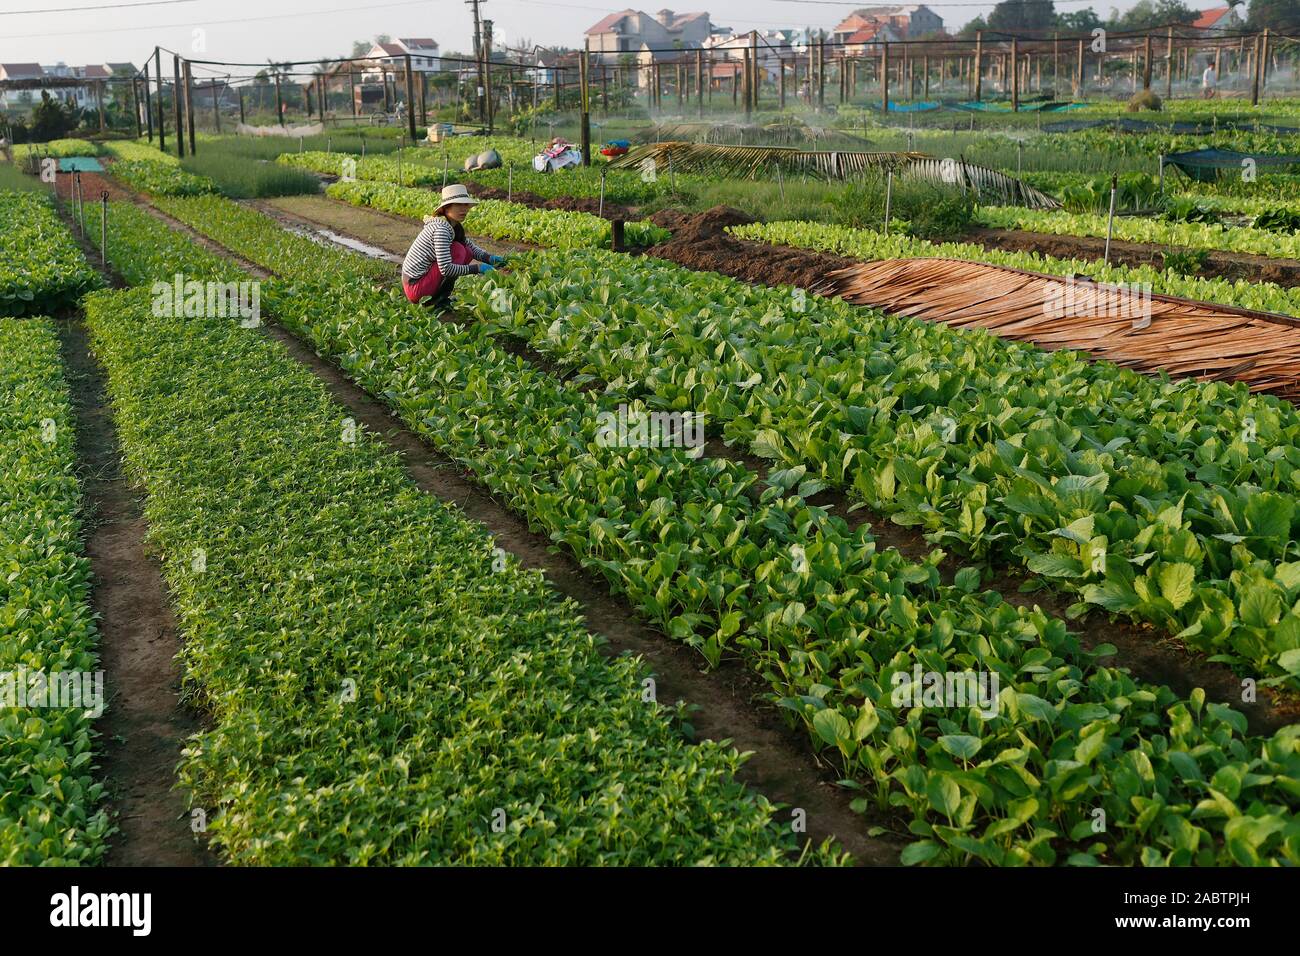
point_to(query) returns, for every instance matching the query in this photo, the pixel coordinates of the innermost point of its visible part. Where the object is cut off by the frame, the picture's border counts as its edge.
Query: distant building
(907, 22)
(1219, 20)
(392, 56)
(74, 85)
(636, 32)
(868, 39)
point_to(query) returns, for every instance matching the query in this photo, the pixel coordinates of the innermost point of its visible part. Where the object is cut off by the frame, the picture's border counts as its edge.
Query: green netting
(1206, 165)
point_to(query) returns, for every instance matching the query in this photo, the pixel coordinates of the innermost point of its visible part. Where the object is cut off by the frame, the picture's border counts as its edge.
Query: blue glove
(496, 260)
(484, 267)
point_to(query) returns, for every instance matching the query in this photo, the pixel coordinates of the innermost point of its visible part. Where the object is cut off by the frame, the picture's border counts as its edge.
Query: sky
(251, 31)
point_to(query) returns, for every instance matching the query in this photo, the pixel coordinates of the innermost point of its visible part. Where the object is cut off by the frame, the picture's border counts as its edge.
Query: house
(19, 72)
(909, 22)
(391, 57)
(545, 65)
(868, 39)
(74, 85)
(636, 32)
(772, 47)
(1218, 21)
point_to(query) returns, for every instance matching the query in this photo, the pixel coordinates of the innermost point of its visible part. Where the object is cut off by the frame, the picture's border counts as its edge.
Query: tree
(1079, 21)
(1279, 16)
(361, 47)
(52, 119)
(972, 27)
(1146, 14)
(1023, 16)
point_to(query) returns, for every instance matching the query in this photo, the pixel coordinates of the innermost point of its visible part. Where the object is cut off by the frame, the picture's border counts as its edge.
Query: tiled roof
(606, 24)
(1209, 18)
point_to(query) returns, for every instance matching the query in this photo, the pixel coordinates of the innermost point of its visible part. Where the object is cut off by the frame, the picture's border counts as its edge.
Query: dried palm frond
(988, 185)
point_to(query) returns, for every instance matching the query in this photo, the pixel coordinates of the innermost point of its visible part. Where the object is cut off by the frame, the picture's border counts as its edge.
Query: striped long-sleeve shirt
(433, 245)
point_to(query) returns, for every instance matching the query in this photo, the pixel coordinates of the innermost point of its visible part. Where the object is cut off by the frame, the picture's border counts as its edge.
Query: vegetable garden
(929, 553)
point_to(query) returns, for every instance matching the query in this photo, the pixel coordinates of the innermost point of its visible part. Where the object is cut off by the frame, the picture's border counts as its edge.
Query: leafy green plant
(1188, 209)
(718, 569)
(51, 806)
(242, 178)
(391, 742)
(160, 179)
(1278, 220)
(1187, 261)
(501, 220)
(41, 268)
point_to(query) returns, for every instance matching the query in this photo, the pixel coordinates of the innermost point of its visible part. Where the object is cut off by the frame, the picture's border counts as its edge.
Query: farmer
(1209, 80)
(441, 252)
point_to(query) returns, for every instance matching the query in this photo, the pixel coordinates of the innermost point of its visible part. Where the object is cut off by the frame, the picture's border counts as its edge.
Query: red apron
(430, 284)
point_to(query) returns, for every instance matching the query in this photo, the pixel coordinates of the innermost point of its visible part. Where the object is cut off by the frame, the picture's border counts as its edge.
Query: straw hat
(455, 195)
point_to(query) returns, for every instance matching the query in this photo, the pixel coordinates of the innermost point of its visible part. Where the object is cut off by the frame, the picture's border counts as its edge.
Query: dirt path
(145, 724)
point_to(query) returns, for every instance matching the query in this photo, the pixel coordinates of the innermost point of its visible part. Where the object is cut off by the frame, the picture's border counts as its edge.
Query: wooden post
(558, 77)
(699, 80)
(584, 78)
(352, 89)
(781, 80)
(1254, 74)
(884, 77)
(157, 72)
(1078, 77)
(424, 98)
(241, 105)
(1146, 63)
(410, 100)
(216, 113)
(979, 64)
(1015, 76)
(148, 102)
(488, 104)
(99, 102)
(279, 102)
(135, 108)
(925, 66)
(176, 102)
(821, 72)
(1169, 65)
(1056, 66)
(1263, 61)
(753, 70)
(189, 104)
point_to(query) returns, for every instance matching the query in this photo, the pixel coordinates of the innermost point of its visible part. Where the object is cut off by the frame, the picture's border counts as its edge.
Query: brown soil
(1225, 265)
(93, 186)
(569, 203)
(145, 724)
(700, 242)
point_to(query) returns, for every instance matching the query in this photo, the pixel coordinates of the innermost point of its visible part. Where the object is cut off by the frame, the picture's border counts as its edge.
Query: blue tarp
(80, 164)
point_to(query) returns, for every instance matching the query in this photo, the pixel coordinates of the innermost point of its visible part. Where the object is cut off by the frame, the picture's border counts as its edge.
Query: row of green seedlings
(987, 726)
(52, 809)
(42, 271)
(502, 220)
(387, 686)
